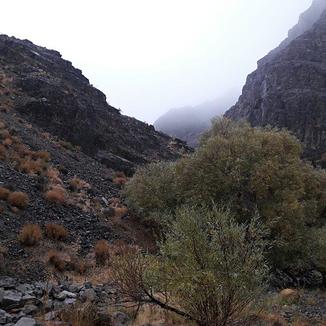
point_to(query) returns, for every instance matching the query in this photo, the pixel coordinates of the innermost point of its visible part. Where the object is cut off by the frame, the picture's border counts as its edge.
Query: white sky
(151, 55)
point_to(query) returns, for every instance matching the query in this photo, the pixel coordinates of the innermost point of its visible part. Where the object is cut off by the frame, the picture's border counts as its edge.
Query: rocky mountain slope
(189, 122)
(288, 88)
(64, 153)
(49, 92)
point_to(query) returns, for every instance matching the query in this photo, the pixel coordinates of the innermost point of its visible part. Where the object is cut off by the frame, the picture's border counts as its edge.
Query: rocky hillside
(49, 92)
(64, 155)
(288, 88)
(188, 123)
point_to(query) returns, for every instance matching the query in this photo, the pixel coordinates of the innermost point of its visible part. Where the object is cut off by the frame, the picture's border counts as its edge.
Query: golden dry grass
(30, 235)
(56, 195)
(18, 199)
(56, 231)
(4, 193)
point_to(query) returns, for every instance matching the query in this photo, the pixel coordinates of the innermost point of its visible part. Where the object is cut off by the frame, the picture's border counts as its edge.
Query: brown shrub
(4, 193)
(30, 166)
(3, 152)
(56, 231)
(55, 259)
(120, 181)
(78, 184)
(85, 314)
(7, 142)
(56, 195)
(18, 199)
(53, 175)
(4, 134)
(22, 150)
(78, 266)
(115, 202)
(119, 174)
(120, 211)
(30, 235)
(102, 252)
(43, 155)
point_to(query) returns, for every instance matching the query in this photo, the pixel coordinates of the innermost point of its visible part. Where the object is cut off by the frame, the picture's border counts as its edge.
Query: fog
(148, 56)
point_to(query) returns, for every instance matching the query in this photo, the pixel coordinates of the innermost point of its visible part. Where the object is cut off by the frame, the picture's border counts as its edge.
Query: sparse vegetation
(84, 315)
(56, 231)
(4, 193)
(77, 184)
(30, 235)
(120, 178)
(55, 259)
(102, 252)
(209, 270)
(18, 199)
(56, 195)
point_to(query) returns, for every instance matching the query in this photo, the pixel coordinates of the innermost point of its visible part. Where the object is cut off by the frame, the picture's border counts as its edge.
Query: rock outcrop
(288, 89)
(48, 91)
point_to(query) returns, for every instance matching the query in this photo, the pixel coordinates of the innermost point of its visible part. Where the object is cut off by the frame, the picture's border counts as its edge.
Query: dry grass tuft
(53, 175)
(102, 252)
(30, 166)
(120, 212)
(84, 315)
(7, 142)
(18, 199)
(77, 184)
(30, 235)
(55, 259)
(4, 193)
(3, 152)
(56, 195)
(43, 155)
(120, 181)
(56, 231)
(79, 266)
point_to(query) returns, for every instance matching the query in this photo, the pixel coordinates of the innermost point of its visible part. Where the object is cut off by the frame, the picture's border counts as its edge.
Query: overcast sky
(148, 56)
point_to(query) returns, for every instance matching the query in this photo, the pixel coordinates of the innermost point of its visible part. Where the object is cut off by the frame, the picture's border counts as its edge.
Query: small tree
(209, 268)
(152, 189)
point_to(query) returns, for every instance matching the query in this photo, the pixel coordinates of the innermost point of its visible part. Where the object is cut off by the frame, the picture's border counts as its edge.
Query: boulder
(26, 321)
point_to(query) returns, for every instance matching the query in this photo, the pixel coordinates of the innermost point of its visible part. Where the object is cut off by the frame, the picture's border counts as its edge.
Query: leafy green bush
(250, 170)
(253, 169)
(209, 269)
(152, 189)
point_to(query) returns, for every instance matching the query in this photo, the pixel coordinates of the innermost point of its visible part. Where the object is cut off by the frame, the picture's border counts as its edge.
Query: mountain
(188, 123)
(64, 153)
(49, 92)
(288, 88)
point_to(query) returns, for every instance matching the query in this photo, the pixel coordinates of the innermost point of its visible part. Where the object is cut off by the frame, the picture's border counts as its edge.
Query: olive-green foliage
(259, 170)
(209, 269)
(251, 170)
(152, 189)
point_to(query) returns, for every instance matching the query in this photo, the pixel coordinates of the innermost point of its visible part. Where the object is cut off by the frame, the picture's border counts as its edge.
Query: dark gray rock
(288, 89)
(11, 299)
(7, 283)
(26, 321)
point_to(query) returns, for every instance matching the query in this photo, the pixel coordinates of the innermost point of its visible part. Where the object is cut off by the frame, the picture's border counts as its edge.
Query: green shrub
(209, 270)
(152, 189)
(250, 170)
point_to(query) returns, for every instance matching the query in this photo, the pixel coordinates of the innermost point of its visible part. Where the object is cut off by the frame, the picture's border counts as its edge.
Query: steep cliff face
(49, 92)
(288, 89)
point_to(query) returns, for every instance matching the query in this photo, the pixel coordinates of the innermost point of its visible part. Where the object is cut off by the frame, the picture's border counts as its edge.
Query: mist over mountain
(288, 88)
(189, 122)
